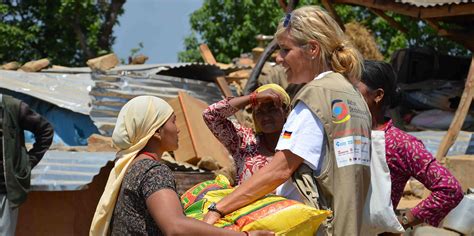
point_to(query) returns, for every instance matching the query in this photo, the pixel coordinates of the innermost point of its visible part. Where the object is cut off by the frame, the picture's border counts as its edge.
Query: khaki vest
(344, 180)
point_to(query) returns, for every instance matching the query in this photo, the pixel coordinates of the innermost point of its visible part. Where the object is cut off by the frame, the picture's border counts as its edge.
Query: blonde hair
(336, 51)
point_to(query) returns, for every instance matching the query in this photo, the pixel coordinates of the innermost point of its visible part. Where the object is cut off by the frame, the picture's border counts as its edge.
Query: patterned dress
(241, 141)
(407, 157)
(143, 178)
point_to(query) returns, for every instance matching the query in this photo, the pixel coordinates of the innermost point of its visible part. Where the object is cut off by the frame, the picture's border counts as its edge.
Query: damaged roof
(70, 91)
(72, 171)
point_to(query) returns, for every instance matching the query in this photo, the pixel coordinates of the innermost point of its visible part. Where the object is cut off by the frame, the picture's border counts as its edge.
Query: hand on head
(270, 95)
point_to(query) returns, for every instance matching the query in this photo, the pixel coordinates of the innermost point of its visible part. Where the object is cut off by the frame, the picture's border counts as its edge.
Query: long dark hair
(379, 74)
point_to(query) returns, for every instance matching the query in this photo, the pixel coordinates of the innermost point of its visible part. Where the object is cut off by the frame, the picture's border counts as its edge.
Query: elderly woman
(327, 131)
(406, 155)
(147, 202)
(251, 151)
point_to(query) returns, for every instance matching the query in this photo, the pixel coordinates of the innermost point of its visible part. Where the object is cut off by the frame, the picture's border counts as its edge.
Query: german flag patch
(287, 134)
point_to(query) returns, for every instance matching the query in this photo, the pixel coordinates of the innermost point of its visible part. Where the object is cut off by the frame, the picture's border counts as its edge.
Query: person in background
(327, 132)
(406, 156)
(16, 162)
(250, 150)
(140, 197)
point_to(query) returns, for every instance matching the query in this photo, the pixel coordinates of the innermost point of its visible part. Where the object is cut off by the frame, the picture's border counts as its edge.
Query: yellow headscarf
(277, 88)
(136, 123)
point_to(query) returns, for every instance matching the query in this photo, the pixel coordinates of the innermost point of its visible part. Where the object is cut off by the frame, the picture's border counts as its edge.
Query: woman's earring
(157, 135)
(312, 58)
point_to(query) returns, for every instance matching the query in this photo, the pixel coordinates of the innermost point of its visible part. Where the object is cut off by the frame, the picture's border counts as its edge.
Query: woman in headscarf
(406, 156)
(140, 197)
(327, 134)
(250, 150)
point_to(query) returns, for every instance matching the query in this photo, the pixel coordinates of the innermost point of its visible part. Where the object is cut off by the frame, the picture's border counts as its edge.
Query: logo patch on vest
(286, 134)
(352, 150)
(340, 112)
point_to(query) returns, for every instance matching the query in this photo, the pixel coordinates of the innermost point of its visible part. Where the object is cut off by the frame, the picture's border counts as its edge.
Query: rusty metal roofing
(432, 3)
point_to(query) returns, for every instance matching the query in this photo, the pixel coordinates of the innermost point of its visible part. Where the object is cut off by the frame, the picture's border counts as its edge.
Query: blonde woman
(327, 131)
(140, 196)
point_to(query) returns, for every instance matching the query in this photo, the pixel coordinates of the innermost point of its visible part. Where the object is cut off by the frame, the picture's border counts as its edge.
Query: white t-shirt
(303, 135)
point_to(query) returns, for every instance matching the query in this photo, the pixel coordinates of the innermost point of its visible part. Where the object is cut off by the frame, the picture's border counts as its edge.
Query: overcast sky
(161, 25)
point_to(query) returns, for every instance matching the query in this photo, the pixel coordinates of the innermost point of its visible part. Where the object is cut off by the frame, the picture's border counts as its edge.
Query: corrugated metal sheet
(113, 90)
(72, 171)
(432, 140)
(432, 3)
(62, 170)
(102, 95)
(191, 70)
(70, 91)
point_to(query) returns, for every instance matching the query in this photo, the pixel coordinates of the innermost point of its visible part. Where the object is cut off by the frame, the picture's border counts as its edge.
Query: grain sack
(274, 213)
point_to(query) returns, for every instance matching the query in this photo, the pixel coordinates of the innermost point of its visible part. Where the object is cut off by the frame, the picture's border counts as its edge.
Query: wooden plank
(462, 9)
(414, 11)
(384, 5)
(330, 8)
(221, 82)
(186, 151)
(389, 20)
(460, 36)
(207, 54)
(224, 86)
(459, 116)
(195, 139)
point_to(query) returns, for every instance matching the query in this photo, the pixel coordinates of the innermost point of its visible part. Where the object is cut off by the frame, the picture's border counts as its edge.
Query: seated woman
(406, 155)
(147, 202)
(251, 151)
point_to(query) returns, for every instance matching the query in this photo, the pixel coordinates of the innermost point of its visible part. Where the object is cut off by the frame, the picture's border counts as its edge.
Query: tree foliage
(390, 39)
(68, 32)
(229, 28)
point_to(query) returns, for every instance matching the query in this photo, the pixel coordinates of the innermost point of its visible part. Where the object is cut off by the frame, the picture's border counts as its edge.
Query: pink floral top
(407, 157)
(241, 141)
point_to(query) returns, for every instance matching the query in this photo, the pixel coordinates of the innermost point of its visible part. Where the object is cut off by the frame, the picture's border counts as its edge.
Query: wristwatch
(404, 219)
(213, 207)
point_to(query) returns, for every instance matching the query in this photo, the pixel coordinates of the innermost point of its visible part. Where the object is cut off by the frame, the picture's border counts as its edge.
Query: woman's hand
(269, 95)
(211, 217)
(261, 233)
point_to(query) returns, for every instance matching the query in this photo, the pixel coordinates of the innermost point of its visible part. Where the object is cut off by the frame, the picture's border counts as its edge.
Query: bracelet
(253, 99)
(246, 233)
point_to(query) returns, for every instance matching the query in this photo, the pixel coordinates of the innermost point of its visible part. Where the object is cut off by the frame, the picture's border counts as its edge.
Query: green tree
(68, 32)
(390, 39)
(229, 28)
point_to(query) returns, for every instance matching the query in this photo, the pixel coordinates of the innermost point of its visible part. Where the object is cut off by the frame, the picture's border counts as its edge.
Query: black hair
(379, 74)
